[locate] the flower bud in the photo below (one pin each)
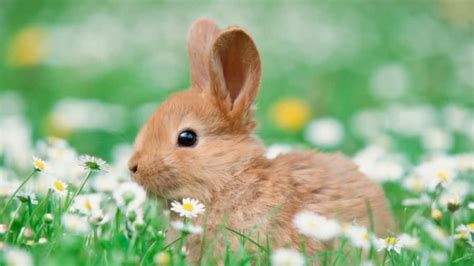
(48, 218)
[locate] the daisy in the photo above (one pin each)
(129, 195)
(438, 171)
(190, 208)
(358, 235)
(409, 241)
(453, 203)
(17, 257)
(162, 258)
(470, 205)
(325, 132)
(87, 204)
(287, 257)
(186, 228)
(436, 214)
(465, 231)
(39, 164)
(59, 187)
(75, 223)
(98, 217)
(389, 243)
(93, 163)
(316, 226)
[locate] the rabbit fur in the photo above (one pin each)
(227, 169)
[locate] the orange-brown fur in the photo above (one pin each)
(227, 169)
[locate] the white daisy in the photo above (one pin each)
(93, 163)
(438, 171)
(454, 203)
(325, 132)
(17, 257)
(358, 235)
(98, 217)
(59, 187)
(190, 208)
(186, 228)
(409, 241)
(316, 226)
(389, 243)
(75, 223)
(129, 195)
(465, 231)
(87, 204)
(39, 164)
(287, 257)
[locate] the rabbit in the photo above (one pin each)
(199, 144)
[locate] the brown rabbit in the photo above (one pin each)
(199, 144)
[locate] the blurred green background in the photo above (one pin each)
(92, 71)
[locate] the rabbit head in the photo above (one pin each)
(201, 138)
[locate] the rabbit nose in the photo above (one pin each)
(133, 168)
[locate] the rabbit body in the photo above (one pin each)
(226, 168)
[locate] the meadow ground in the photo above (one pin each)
(390, 84)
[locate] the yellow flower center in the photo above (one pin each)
(454, 200)
(471, 226)
(442, 176)
(39, 165)
(390, 241)
(418, 185)
(462, 235)
(188, 206)
(58, 185)
(365, 236)
(436, 214)
(87, 205)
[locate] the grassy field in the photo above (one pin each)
(388, 83)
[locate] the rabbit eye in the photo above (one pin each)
(187, 138)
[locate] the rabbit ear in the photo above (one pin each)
(201, 36)
(235, 71)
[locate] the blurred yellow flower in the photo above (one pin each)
(27, 47)
(162, 258)
(290, 114)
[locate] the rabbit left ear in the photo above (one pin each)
(235, 71)
(202, 34)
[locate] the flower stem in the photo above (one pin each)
(17, 190)
(40, 205)
(78, 191)
(147, 253)
(384, 257)
(452, 234)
